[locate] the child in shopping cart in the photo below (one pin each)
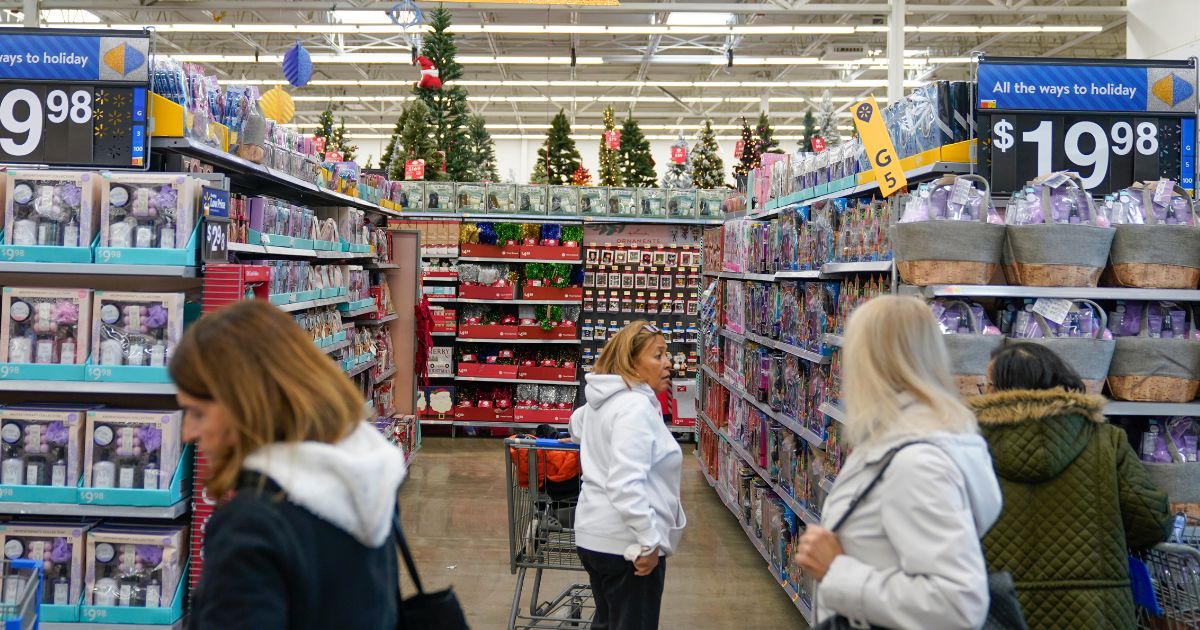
(559, 474)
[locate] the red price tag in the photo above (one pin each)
(739, 148)
(679, 155)
(414, 169)
(818, 144)
(319, 145)
(333, 156)
(612, 138)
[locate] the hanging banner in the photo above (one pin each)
(1114, 122)
(868, 120)
(612, 138)
(818, 144)
(414, 169)
(679, 155)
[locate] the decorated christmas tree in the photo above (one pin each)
(766, 135)
(483, 152)
(341, 143)
(610, 171)
(633, 158)
(386, 159)
(326, 130)
(448, 112)
(538, 176)
(679, 171)
(750, 159)
(558, 155)
(416, 143)
(810, 130)
(827, 121)
(708, 169)
(581, 177)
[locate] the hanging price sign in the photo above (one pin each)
(739, 149)
(319, 145)
(612, 138)
(679, 155)
(333, 156)
(818, 144)
(1114, 123)
(414, 169)
(74, 98)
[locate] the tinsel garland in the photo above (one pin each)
(552, 232)
(508, 232)
(488, 234)
(468, 233)
(548, 316)
(529, 231)
(572, 234)
(559, 275)
(537, 271)
(491, 316)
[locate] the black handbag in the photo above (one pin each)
(1004, 611)
(425, 611)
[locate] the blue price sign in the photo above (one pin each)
(74, 98)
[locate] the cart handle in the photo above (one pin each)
(1178, 549)
(542, 443)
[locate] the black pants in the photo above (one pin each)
(624, 601)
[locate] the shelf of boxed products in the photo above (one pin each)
(804, 607)
(811, 357)
(359, 312)
(275, 250)
(360, 368)
(94, 269)
(508, 341)
(517, 260)
(1119, 408)
(828, 270)
(84, 625)
(85, 387)
(519, 381)
(792, 425)
(384, 377)
(334, 347)
(1072, 293)
(307, 304)
(773, 207)
(233, 165)
(105, 511)
(390, 317)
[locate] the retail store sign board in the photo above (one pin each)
(868, 120)
(74, 98)
(1115, 122)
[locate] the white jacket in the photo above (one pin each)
(912, 558)
(631, 470)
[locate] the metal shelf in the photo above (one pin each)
(391, 317)
(114, 511)
(341, 345)
(439, 256)
(382, 378)
(937, 168)
(79, 625)
(811, 274)
(792, 425)
(516, 301)
(366, 310)
(439, 279)
(833, 412)
(1117, 408)
(518, 260)
(1095, 293)
(658, 220)
(442, 300)
(444, 334)
(361, 367)
(97, 269)
(880, 266)
(87, 387)
(307, 304)
(478, 340)
(520, 381)
(811, 357)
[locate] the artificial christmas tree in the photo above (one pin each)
(447, 105)
(810, 130)
(610, 171)
(483, 152)
(325, 129)
(581, 177)
(766, 135)
(538, 176)
(558, 156)
(708, 169)
(679, 171)
(386, 160)
(341, 143)
(827, 121)
(750, 159)
(634, 159)
(416, 143)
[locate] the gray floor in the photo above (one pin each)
(454, 514)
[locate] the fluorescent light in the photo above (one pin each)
(1010, 29)
(699, 18)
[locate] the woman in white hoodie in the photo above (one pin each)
(629, 517)
(908, 555)
(307, 540)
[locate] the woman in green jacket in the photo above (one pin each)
(1076, 498)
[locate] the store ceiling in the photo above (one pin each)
(665, 61)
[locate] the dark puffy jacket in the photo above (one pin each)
(1076, 499)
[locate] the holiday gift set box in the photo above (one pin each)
(148, 218)
(486, 370)
(709, 203)
(439, 197)
(563, 201)
(134, 335)
(43, 453)
(482, 292)
(471, 197)
(135, 574)
(483, 414)
(50, 216)
(593, 200)
(652, 202)
(681, 204)
(175, 489)
(501, 199)
(531, 199)
(409, 196)
(622, 202)
(542, 416)
(130, 449)
(44, 333)
(59, 549)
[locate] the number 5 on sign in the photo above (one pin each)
(878, 144)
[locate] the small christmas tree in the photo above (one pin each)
(386, 160)
(610, 171)
(708, 169)
(810, 130)
(751, 158)
(416, 143)
(483, 152)
(637, 165)
(558, 155)
(448, 112)
(341, 143)
(325, 129)
(581, 177)
(827, 121)
(538, 176)
(679, 174)
(766, 135)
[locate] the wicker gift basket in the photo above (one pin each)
(1150, 367)
(1085, 349)
(1056, 236)
(1157, 243)
(946, 234)
(969, 348)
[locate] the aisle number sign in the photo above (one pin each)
(74, 98)
(868, 120)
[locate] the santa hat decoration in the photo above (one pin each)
(429, 74)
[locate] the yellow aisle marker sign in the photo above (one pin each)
(878, 144)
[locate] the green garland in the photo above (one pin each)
(548, 316)
(506, 232)
(537, 271)
(559, 275)
(572, 233)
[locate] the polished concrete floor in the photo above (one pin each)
(455, 518)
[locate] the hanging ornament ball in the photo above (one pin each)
(277, 105)
(297, 66)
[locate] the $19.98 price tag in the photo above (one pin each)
(46, 123)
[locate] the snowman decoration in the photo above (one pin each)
(429, 74)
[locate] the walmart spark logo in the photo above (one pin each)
(124, 59)
(1172, 89)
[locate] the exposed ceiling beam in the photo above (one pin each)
(1083, 38)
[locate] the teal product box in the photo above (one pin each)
(564, 201)
(681, 204)
(280, 299)
(652, 202)
(131, 449)
(622, 202)
(501, 199)
(46, 211)
(93, 373)
(38, 372)
(356, 304)
(45, 253)
(531, 199)
(134, 330)
(151, 210)
(47, 328)
(470, 198)
(59, 550)
(178, 489)
(593, 201)
(309, 295)
(43, 452)
(439, 196)
(134, 574)
(709, 203)
(185, 257)
(410, 196)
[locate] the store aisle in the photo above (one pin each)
(454, 515)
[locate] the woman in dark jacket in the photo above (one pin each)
(306, 542)
(1076, 498)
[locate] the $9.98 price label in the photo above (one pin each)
(1108, 152)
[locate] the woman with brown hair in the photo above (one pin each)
(629, 517)
(307, 541)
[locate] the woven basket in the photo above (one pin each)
(1090, 358)
(970, 355)
(1056, 255)
(1148, 369)
(1155, 256)
(949, 252)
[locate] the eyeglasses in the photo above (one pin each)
(651, 328)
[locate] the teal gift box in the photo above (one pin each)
(151, 255)
(181, 486)
(161, 616)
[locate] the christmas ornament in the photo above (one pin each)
(277, 105)
(429, 74)
(297, 66)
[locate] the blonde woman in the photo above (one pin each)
(629, 517)
(917, 491)
(307, 540)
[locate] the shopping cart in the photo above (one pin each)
(541, 515)
(21, 593)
